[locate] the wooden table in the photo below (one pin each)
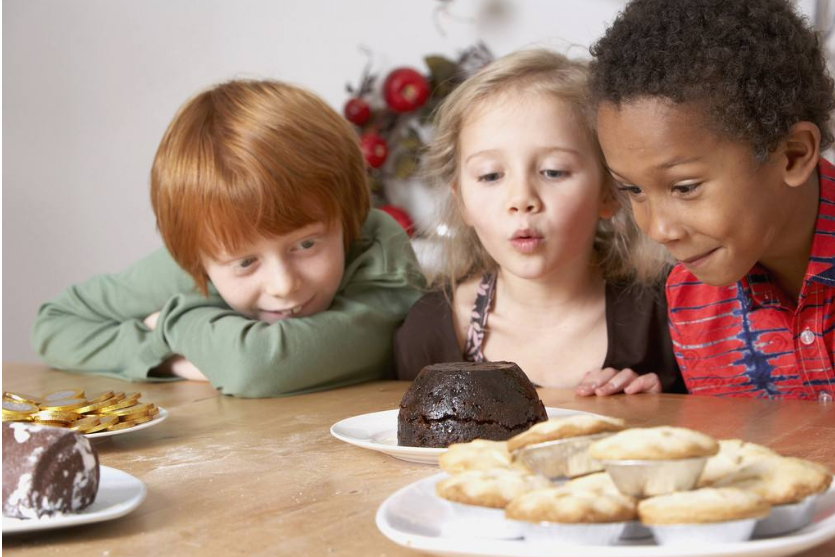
(229, 476)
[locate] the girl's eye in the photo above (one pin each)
(554, 173)
(306, 244)
(685, 189)
(490, 177)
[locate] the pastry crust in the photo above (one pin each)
(488, 488)
(562, 428)
(479, 454)
(780, 480)
(702, 506)
(601, 482)
(654, 443)
(567, 506)
(732, 456)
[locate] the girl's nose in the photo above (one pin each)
(524, 197)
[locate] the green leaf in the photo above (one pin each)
(441, 69)
(405, 166)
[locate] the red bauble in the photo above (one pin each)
(374, 149)
(357, 111)
(401, 216)
(405, 90)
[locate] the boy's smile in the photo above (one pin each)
(293, 275)
(702, 195)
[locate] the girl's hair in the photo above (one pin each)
(623, 253)
(246, 159)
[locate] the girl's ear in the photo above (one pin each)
(801, 151)
(462, 210)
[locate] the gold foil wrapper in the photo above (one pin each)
(63, 394)
(107, 411)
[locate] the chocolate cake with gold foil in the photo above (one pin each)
(461, 401)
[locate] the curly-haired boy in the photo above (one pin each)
(712, 116)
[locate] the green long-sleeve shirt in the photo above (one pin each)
(97, 326)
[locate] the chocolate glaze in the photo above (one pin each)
(460, 401)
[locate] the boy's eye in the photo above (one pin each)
(632, 191)
(305, 244)
(246, 262)
(490, 177)
(685, 189)
(549, 173)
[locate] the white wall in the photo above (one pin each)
(89, 86)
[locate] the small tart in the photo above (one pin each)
(479, 454)
(567, 506)
(488, 488)
(601, 482)
(780, 480)
(562, 428)
(733, 454)
(654, 443)
(702, 506)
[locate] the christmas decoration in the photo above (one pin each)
(393, 122)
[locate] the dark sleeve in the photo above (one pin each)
(639, 336)
(427, 336)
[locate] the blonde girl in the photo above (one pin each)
(541, 265)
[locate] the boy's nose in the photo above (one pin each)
(524, 198)
(281, 282)
(659, 222)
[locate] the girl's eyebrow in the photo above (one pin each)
(544, 149)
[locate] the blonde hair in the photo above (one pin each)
(245, 159)
(623, 253)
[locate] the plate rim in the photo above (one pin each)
(788, 544)
(159, 418)
(397, 450)
(12, 525)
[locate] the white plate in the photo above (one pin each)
(163, 413)
(119, 493)
(414, 517)
(378, 431)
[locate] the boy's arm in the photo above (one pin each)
(97, 326)
(349, 343)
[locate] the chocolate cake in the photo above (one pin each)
(458, 402)
(47, 471)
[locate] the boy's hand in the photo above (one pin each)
(151, 320)
(181, 367)
(610, 381)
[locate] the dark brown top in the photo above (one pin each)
(636, 322)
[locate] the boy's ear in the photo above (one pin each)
(802, 152)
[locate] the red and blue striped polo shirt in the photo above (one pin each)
(748, 339)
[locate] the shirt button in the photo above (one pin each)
(807, 337)
(823, 396)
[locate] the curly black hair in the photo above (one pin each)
(755, 66)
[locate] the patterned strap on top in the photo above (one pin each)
(478, 319)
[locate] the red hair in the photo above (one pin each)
(247, 159)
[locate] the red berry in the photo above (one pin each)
(401, 216)
(357, 111)
(405, 90)
(374, 149)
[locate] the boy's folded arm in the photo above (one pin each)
(97, 326)
(349, 343)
